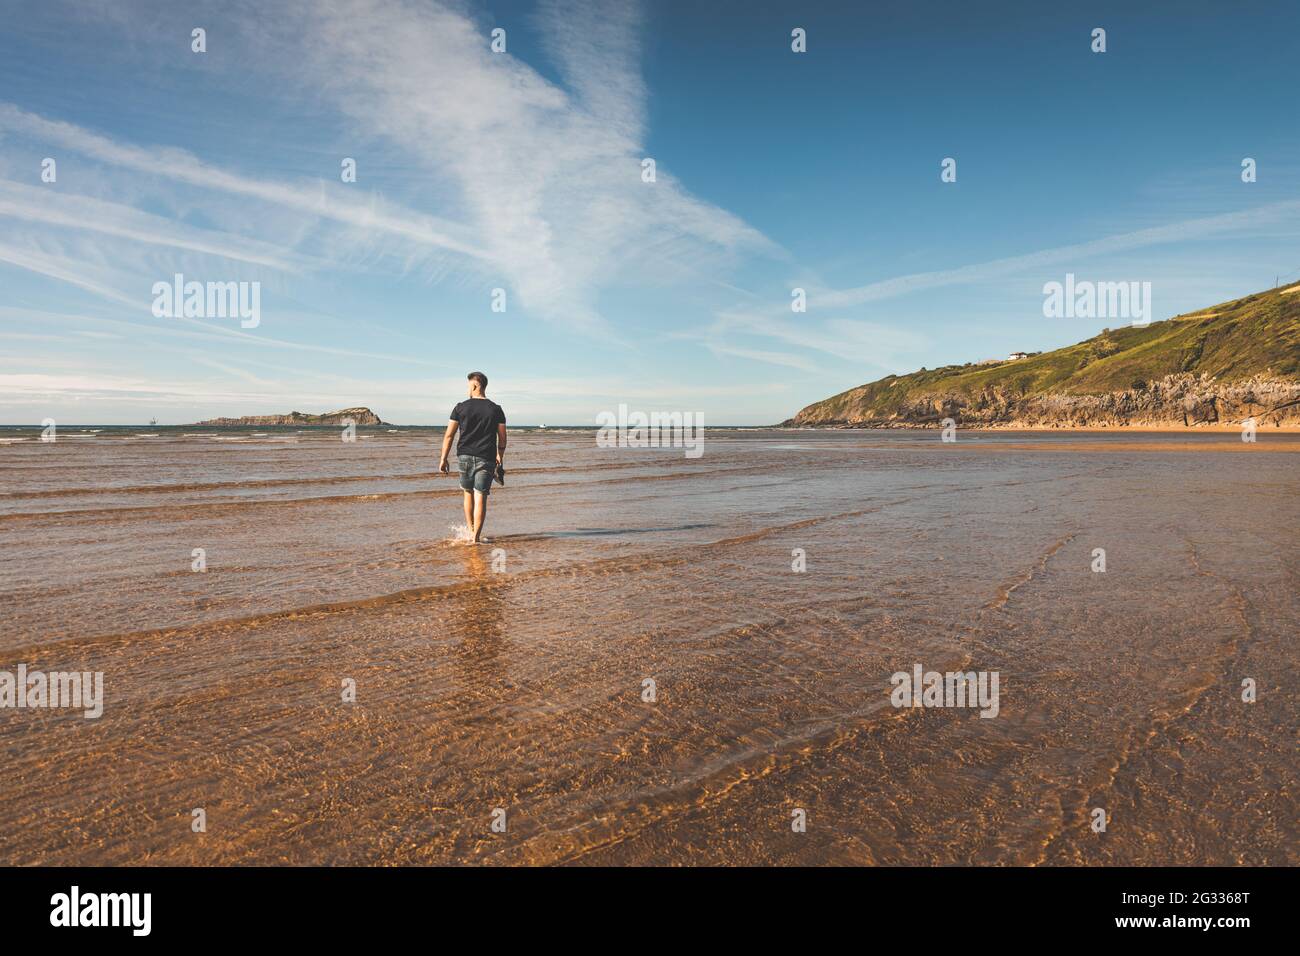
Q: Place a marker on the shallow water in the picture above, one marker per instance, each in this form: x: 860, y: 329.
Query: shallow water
x: 510, y: 675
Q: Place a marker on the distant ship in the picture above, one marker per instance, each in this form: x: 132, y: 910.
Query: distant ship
x: 153, y: 421
x: 543, y: 425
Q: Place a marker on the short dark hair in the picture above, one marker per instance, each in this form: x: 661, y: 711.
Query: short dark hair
x: 478, y: 377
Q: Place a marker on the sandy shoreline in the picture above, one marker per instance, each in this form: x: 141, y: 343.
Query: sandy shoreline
x: 768, y: 602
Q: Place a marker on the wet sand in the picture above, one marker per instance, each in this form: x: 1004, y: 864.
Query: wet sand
x: 483, y: 686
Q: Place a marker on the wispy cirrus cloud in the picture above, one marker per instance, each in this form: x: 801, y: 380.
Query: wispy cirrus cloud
x: 64, y: 269
x: 545, y: 177
x: 1246, y: 219
x: 829, y: 329
x: 550, y: 176
x: 47, y: 207
x: 308, y: 199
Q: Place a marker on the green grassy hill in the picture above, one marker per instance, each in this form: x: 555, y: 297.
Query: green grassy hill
x: 1245, y: 352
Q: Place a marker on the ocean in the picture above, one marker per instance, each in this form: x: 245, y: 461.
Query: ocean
x: 652, y: 659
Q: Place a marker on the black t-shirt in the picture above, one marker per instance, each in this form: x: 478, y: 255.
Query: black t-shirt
x: 478, y: 418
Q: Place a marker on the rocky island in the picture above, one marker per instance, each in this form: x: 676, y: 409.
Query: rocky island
x: 1216, y: 367
x: 358, y: 416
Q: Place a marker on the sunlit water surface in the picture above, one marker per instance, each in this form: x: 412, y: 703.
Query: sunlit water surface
x: 513, y: 675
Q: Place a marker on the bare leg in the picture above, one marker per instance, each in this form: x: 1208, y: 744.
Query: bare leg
x: 469, y: 512
x: 480, y: 513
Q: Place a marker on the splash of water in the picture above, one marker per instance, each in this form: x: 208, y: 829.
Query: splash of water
x: 460, y: 534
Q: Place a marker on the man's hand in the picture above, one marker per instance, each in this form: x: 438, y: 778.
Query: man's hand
x: 447, y: 435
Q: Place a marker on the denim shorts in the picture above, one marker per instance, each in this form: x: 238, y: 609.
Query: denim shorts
x: 476, y: 473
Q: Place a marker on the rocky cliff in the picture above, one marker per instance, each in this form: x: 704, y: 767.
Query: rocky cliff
x: 1219, y: 366
x: 360, y: 416
x: 1175, y: 400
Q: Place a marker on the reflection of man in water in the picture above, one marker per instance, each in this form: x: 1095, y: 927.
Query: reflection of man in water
x: 479, y: 625
x: 480, y: 451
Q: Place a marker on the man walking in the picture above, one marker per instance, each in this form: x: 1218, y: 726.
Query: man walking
x: 480, y: 451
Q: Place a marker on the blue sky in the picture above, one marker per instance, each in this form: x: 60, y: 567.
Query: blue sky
x: 522, y: 171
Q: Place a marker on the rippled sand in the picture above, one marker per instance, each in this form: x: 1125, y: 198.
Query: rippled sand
x: 521, y: 689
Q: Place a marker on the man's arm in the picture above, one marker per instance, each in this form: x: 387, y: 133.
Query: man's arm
x: 501, y: 443
x: 447, y: 436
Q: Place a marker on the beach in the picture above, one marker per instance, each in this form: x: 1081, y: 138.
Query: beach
x: 235, y: 587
